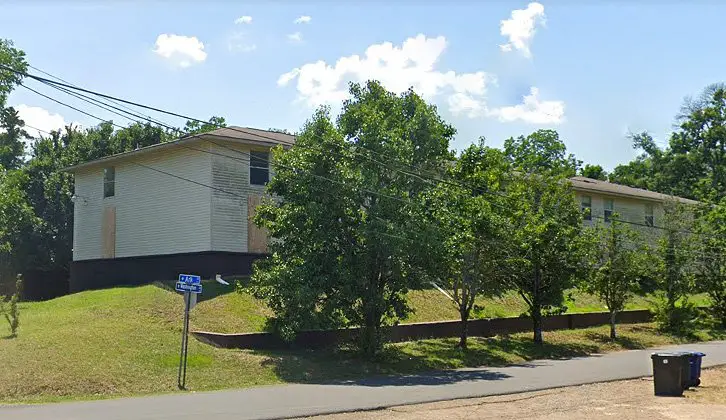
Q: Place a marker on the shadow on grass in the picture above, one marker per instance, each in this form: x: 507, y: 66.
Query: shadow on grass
x: 426, y: 362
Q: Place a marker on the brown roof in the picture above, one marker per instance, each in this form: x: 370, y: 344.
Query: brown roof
x: 251, y: 134
x: 580, y: 183
x: 244, y: 135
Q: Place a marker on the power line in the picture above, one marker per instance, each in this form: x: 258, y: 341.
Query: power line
x: 69, y: 106
x: 38, y: 129
x: 418, y: 176
x: 316, y: 176
x: 66, y: 81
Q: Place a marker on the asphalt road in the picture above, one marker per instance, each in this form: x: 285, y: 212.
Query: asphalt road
x: 305, y: 400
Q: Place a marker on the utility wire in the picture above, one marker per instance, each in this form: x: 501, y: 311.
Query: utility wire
x: 69, y: 106
x: 38, y: 129
x: 66, y: 81
x: 420, y: 177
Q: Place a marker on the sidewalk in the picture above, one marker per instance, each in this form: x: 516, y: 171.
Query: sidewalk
x: 298, y: 400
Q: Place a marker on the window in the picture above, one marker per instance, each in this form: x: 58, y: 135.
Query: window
x: 586, y: 207
x: 649, y: 221
x: 608, y: 209
x: 109, y: 182
x: 259, y: 168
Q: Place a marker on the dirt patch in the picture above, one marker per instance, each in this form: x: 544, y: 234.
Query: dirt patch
x: 623, y: 400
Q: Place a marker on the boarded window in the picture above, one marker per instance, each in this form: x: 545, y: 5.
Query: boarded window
x: 109, y: 182
x: 257, y: 238
x: 259, y: 168
x: 609, y: 205
x: 649, y: 219
x: 586, y: 207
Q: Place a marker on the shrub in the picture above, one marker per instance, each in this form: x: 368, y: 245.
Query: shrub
x: 10, y: 309
x: 678, y: 319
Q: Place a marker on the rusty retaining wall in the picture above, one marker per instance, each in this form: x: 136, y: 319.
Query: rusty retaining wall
x: 418, y: 331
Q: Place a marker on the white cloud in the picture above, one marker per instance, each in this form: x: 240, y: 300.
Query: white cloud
x: 303, y: 19
x: 40, y: 118
x: 181, y: 50
x: 242, y: 20
x: 521, y: 27
x: 296, y: 37
x: 413, y: 64
x: 532, y: 110
x: 238, y: 42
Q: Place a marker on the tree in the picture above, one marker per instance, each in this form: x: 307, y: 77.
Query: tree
x: 196, y: 127
x: 12, y: 139
x: 279, y: 130
x: 16, y: 217
x: 675, y: 267
x: 620, y: 260
x: 594, y: 172
x: 345, y: 249
x: 545, y: 233
x: 544, y: 224
x: 468, y: 258
x: 15, y: 59
x: 711, y: 258
x: 541, y: 151
x: 694, y: 163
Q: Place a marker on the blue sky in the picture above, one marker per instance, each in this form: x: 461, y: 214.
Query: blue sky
x: 598, y: 68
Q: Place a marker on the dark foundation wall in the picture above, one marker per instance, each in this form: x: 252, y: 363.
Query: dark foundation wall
x: 103, y: 273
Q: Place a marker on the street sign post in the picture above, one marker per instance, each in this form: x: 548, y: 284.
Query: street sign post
x: 190, y: 285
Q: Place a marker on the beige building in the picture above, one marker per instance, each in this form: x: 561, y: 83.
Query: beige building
x: 641, y: 208
x: 186, y: 206
x: 175, y: 207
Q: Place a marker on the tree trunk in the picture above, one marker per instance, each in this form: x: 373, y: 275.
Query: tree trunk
x: 464, y: 333
x: 537, y: 325
x: 613, y: 334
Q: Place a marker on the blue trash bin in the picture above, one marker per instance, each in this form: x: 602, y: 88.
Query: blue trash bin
x: 692, y: 376
x: 696, y: 358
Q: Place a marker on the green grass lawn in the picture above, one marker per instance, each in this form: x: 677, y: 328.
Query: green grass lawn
x: 432, y: 305
x: 125, y: 341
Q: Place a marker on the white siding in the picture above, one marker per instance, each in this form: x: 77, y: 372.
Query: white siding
x: 231, y: 173
x: 156, y: 213
x: 629, y: 210
x: 87, y: 213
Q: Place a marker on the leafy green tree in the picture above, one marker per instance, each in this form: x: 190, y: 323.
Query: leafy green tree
x: 676, y: 267
x: 15, y: 59
x: 544, y: 224
x: 468, y: 259
x: 12, y: 139
x: 694, y: 163
x: 711, y: 258
x: 541, y: 151
x: 16, y: 218
x: 548, y: 252
x: 345, y: 249
x: 620, y: 260
x: 196, y: 127
x: 594, y: 172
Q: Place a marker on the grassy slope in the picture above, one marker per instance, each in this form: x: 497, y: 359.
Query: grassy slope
x: 126, y: 341
x: 431, y: 305
x: 112, y: 342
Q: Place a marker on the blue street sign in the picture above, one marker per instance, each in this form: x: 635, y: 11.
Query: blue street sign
x: 186, y: 287
x: 190, y: 279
